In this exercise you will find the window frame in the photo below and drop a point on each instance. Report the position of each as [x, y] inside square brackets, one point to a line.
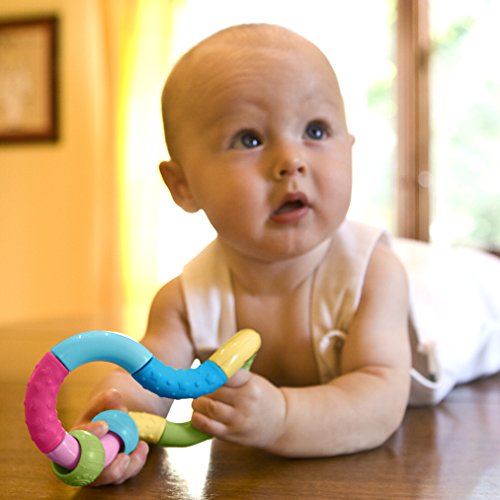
[413, 128]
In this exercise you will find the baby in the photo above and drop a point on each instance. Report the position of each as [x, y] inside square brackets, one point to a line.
[257, 138]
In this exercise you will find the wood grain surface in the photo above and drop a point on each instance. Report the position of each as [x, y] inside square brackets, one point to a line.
[448, 452]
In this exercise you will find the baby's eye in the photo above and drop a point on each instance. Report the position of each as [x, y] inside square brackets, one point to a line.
[246, 140]
[316, 131]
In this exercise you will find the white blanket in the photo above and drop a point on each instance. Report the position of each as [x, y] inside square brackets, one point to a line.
[455, 307]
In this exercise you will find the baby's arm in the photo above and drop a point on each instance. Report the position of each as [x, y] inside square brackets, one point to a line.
[166, 337]
[358, 410]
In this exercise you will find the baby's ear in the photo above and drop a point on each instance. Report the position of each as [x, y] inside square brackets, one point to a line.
[173, 176]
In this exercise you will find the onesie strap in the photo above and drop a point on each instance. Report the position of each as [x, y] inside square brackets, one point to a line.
[338, 285]
[209, 299]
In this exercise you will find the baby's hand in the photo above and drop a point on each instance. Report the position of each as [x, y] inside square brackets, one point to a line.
[248, 410]
[123, 466]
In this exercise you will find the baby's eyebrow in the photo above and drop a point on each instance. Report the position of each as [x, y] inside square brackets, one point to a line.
[236, 116]
[227, 123]
[327, 100]
[333, 107]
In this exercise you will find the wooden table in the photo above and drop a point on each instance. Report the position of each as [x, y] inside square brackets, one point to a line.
[448, 452]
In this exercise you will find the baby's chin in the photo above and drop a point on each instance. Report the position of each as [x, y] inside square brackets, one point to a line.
[279, 249]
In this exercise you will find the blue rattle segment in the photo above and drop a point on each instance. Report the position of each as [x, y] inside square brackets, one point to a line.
[151, 373]
[100, 345]
[179, 384]
[121, 424]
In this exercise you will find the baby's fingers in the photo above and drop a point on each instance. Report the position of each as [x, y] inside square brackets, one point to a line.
[124, 466]
[213, 409]
[240, 378]
[109, 399]
[99, 428]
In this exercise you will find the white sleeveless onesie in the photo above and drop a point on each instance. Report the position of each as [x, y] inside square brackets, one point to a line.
[338, 283]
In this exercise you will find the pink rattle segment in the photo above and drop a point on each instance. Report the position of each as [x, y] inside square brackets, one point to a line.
[44, 427]
[112, 445]
[67, 454]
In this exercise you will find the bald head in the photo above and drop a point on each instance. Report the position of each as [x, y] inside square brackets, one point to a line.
[196, 74]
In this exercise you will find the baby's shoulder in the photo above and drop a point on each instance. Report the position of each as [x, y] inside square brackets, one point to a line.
[385, 274]
[168, 306]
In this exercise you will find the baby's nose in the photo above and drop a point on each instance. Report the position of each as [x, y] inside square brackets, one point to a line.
[292, 168]
[290, 162]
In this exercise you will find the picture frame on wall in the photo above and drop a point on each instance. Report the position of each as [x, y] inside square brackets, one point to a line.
[28, 79]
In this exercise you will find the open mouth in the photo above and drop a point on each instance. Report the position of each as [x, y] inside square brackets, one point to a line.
[293, 207]
[289, 206]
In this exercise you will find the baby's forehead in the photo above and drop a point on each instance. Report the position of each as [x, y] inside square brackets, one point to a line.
[225, 58]
[247, 72]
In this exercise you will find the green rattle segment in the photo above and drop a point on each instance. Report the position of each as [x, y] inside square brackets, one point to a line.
[156, 430]
[91, 461]
[181, 435]
[249, 362]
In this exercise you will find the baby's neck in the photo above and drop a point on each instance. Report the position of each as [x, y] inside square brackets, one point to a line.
[259, 277]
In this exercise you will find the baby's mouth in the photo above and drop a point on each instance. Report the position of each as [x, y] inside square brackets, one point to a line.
[292, 208]
[289, 206]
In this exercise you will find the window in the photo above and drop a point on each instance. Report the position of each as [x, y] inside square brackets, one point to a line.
[421, 99]
[465, 123]
[449, 122]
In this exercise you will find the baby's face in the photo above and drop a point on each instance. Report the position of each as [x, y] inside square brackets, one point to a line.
[266, 150]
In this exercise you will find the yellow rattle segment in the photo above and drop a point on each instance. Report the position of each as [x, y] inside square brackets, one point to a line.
[232, 355]
[150, 426]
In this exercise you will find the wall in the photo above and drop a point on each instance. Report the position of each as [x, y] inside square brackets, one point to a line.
[58, 256]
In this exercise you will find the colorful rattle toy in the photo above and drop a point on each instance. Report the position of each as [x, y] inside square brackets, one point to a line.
[78, 457]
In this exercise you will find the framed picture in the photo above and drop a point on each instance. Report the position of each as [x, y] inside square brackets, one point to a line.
[28, 80]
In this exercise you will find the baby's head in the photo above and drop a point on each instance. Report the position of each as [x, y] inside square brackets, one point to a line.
[255, 128]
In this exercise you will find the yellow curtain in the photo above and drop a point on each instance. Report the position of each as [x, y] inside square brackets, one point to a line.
[138, 40]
